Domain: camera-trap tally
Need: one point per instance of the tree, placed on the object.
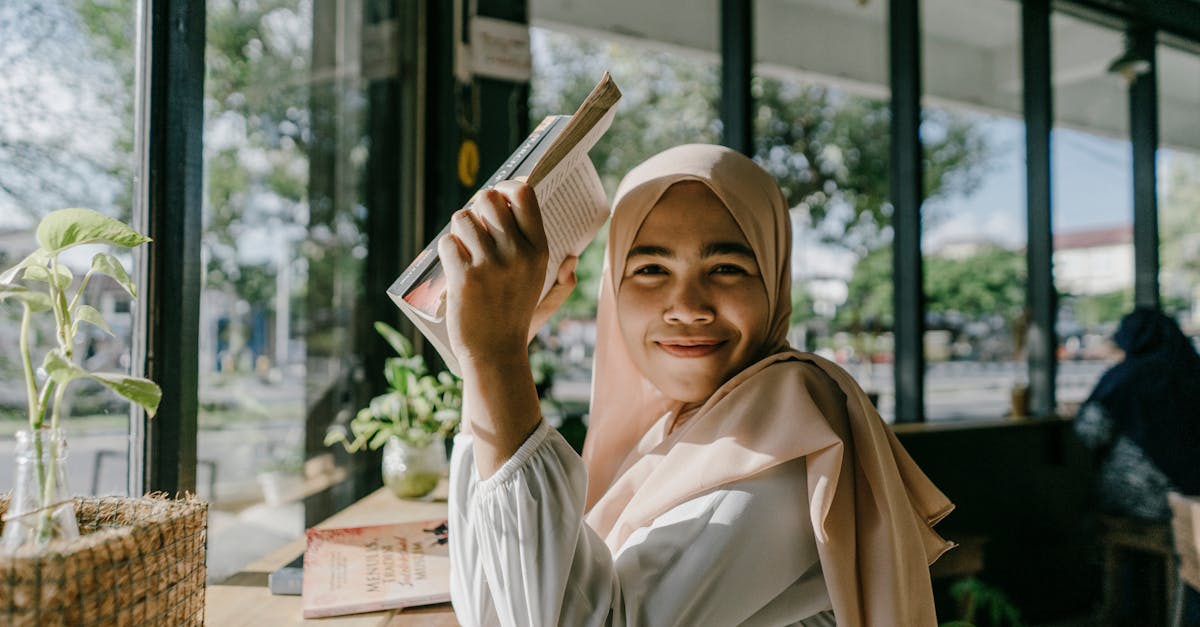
(66, 106)
(989, 282)
(829, 150)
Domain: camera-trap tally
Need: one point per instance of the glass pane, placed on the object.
(826, 139)
(282, 249)
(1179, 186)
(668, 99)
(1093, 203)
(66, 140)
(973, 218)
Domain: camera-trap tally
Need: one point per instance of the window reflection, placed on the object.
(282, 251)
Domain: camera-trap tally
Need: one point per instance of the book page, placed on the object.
(572, 214)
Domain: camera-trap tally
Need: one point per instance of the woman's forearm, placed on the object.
(501, 404)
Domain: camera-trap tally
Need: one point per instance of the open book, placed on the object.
(381, 567)
(554, 161)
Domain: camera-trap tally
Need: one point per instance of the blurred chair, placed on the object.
(1123, 537)
(1185, 513)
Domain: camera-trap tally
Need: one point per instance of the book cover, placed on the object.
(367, 569)
(554, 161)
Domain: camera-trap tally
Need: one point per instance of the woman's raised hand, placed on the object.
(495, 263)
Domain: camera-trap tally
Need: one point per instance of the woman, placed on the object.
(729, 479)
(1143, 417)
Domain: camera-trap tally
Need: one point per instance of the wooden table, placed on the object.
(245, 600)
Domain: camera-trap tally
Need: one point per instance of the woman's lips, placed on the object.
(690, 348)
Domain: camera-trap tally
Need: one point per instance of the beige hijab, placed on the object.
(871, 507)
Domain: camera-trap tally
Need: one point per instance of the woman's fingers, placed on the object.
(496, 215)
(525, 211)
(472, 235)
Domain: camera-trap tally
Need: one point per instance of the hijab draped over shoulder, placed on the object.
(871, 507)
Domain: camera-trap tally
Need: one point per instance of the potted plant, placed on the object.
(410, 421)
(42, 285)
(62, 557)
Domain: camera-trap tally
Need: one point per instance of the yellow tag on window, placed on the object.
(468, 162)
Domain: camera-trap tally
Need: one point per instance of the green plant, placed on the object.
(417, 408)
(977, 599)
(42, 285)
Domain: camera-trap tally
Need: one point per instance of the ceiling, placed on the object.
(971, 54)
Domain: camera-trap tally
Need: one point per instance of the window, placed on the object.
(1093, 203)
(283, 251)
(66, 140)
(974, 218)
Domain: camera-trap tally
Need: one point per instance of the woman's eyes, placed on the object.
(650, 269)
(728, 268)
(724, 268)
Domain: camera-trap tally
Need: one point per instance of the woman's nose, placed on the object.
(689, 304)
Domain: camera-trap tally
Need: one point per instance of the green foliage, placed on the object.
(869, 299)
(59, 231)
(1094, 310)
(989, 282)
(417, 408)
(979, 601)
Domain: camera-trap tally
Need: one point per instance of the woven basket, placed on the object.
(137, 561)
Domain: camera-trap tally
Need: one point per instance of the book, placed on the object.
(287, 580)
(554, 161)
(350, 570)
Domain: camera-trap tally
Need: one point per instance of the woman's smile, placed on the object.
(691, 347)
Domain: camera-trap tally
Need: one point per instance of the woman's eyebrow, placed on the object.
(652, 251)
(726, 248)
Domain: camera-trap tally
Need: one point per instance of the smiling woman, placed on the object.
(706, 429)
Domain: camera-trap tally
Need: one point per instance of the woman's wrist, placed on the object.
(503, 406)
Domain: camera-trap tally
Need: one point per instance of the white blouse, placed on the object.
(522, 555)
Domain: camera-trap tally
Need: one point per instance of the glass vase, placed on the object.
(41, 509)
(413, 472)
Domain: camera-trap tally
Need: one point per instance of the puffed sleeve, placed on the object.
(522, 554)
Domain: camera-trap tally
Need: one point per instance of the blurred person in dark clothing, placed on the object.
(1143, 420)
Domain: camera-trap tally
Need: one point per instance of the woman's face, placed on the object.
(692, 305)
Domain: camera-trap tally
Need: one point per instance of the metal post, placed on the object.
(1040, 296)
(1143, 134)
(907, 179)
(737, 62)
(170, 122)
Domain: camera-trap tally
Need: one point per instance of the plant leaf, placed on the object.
(89, 314)
(38, 257)
(399, 343)
(65, 228)
(109, 266)
(144, 392)
(37, 301)
(62, 273)
(61, 369)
